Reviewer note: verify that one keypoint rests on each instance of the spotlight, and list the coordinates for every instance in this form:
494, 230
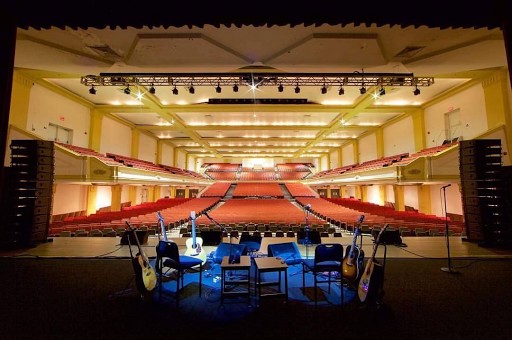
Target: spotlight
92, 90
175, 90
297, 89
324, 89
191, 89
152, 89
382, 91
218, 89
416, 91
362, 90
280, 88
341, 91
127, 90
235, 88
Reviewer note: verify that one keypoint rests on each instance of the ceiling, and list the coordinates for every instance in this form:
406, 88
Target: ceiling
454, 57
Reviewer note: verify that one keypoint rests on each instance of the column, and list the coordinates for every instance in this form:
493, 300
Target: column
382, 194
135, 143
418, 124
398, 190
115, 203
497, 105
20, 99
92, 192
379, 139
424, 199
96, 120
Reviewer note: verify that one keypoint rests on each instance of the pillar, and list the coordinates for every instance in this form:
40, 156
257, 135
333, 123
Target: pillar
92, 192
115, 203
424, 199
398, 191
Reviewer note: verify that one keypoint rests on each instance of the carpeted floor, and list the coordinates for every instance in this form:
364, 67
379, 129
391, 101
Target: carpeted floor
97, 299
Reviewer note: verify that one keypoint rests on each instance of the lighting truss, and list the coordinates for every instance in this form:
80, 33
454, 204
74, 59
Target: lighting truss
256, 79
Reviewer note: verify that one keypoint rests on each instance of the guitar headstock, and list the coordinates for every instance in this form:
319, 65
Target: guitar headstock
377, 240
159, 215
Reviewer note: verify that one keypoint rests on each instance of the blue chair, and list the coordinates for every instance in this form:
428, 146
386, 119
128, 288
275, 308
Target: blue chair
167, 258
328, 260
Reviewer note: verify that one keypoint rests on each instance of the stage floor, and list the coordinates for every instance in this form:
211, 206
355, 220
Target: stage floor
434, 247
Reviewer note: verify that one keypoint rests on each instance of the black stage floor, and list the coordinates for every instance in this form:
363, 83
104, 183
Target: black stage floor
57, 297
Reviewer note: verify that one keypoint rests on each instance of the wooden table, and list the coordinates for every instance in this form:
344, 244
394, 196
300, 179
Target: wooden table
268, 265
226, 267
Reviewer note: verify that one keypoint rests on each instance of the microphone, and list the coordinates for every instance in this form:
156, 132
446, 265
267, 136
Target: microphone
446, 186
192, 215
307, 207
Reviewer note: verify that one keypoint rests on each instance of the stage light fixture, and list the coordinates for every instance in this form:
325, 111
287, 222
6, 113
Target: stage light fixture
191, 89
127, 90
416, 91
218, 89
382, 91
324, 89
341, 91
175, 90
92, 90
152, 89
280, 88
297, 89
362, 90
235, 88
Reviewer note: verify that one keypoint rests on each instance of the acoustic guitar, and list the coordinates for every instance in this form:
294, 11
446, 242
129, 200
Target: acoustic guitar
145, 274
195, 244
354, 256
366, 284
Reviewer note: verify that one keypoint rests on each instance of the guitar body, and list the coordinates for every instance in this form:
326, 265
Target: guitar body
353, 260
373, 275
144, 273
195, 250
352, 263
195, 244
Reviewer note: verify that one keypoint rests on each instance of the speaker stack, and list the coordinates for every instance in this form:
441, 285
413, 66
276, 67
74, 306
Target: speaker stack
483, 192
29, 198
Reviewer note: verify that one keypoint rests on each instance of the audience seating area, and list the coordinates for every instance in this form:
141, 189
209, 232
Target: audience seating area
247, 189
119, 160
395, 160
217, 189
235, 172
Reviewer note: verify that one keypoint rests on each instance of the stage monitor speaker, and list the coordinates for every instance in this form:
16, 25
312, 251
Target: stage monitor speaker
142, 235
312, 235
388, 237
287, 251
228, 249
211, 237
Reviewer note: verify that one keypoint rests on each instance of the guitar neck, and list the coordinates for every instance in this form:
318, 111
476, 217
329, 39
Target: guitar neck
193, 220
162, 225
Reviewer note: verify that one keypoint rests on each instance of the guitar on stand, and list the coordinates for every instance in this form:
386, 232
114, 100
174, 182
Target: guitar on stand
161, 223
145, 275
354, 256
373, 275
195, 244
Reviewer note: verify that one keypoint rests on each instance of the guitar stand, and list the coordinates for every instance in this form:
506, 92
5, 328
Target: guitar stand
376, 296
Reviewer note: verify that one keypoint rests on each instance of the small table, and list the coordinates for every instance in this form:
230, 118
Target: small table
267, 265
226, 266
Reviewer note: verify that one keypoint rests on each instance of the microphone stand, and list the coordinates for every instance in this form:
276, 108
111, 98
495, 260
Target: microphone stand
306, 239
446, 234
223, 229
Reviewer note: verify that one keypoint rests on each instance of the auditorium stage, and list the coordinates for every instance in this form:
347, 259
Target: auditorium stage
433, 247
